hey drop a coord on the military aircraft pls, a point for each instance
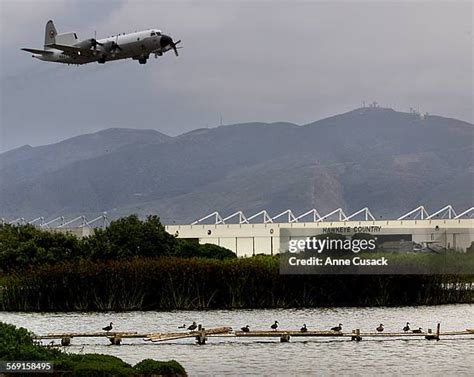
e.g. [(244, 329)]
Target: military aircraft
[(66, 48)]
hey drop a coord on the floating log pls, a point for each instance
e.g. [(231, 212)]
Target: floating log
[(201, 335), (127, 334), (219, 332), (159, 337), (279, 333)]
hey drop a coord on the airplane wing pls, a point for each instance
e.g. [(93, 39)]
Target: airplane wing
[(35, 51), (71, 50)]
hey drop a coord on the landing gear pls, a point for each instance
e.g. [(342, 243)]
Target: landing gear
[(142, 60), (101, 60)]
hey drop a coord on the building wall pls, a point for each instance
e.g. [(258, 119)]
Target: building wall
[(250, 239), (79, 232)]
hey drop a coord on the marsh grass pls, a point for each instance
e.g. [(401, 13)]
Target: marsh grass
[(169, 283)]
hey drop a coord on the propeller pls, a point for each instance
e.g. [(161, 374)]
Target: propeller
[(114, 46), (166, 41), (94, 43), (173, 46)]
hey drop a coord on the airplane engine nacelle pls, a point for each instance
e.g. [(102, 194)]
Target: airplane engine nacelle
[(86, 44)]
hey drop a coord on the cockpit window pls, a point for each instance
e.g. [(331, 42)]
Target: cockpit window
[(152, 34)]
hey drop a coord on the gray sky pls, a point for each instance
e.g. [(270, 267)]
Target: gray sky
[(249, 61)]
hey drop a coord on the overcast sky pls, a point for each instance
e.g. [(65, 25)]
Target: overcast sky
[(247, 61)]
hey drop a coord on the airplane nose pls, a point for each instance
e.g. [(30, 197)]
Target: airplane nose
[(165, 40)]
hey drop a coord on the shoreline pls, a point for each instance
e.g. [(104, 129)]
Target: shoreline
[(215, 310), (240, 309)]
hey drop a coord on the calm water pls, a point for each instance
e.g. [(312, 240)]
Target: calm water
[(230, 356)]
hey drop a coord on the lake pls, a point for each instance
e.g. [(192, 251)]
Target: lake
[(301, 356)]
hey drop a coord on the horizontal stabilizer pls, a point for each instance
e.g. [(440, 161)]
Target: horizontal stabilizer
[(35, 51)]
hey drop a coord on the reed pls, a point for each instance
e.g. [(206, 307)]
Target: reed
[(169, 283)]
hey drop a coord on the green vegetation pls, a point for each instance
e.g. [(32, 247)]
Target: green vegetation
[(22, 246), (188, 249), (175, 283), (137, 265), (149, 367), (16, 344), (25, 246), (448, 262)]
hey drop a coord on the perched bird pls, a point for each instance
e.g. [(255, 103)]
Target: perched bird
[(419, 331), (380, 328), (245, 329), (108, 328), (182, 327), (274, 326), (304, 328), (193, 326), (337, 328), (407, 327)]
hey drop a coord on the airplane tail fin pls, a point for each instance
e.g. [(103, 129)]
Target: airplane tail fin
[(50, 33)]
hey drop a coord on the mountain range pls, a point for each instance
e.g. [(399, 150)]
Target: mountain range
[(387, 160)]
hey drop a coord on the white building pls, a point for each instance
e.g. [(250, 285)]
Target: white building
[(270, 237)]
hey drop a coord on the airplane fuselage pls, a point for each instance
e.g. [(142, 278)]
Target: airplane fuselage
[(138, 45)]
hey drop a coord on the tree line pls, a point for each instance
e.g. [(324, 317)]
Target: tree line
[(22, 246)]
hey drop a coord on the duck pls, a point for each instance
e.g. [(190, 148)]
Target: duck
[(182, 327), (337, 328), (246, 328), (419, 331), (193, 326), (274, 326), (304, 328), (108, 328), (380, 328), (407, 327)]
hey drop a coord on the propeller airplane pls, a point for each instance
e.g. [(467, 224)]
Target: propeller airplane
[(68, 49)]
